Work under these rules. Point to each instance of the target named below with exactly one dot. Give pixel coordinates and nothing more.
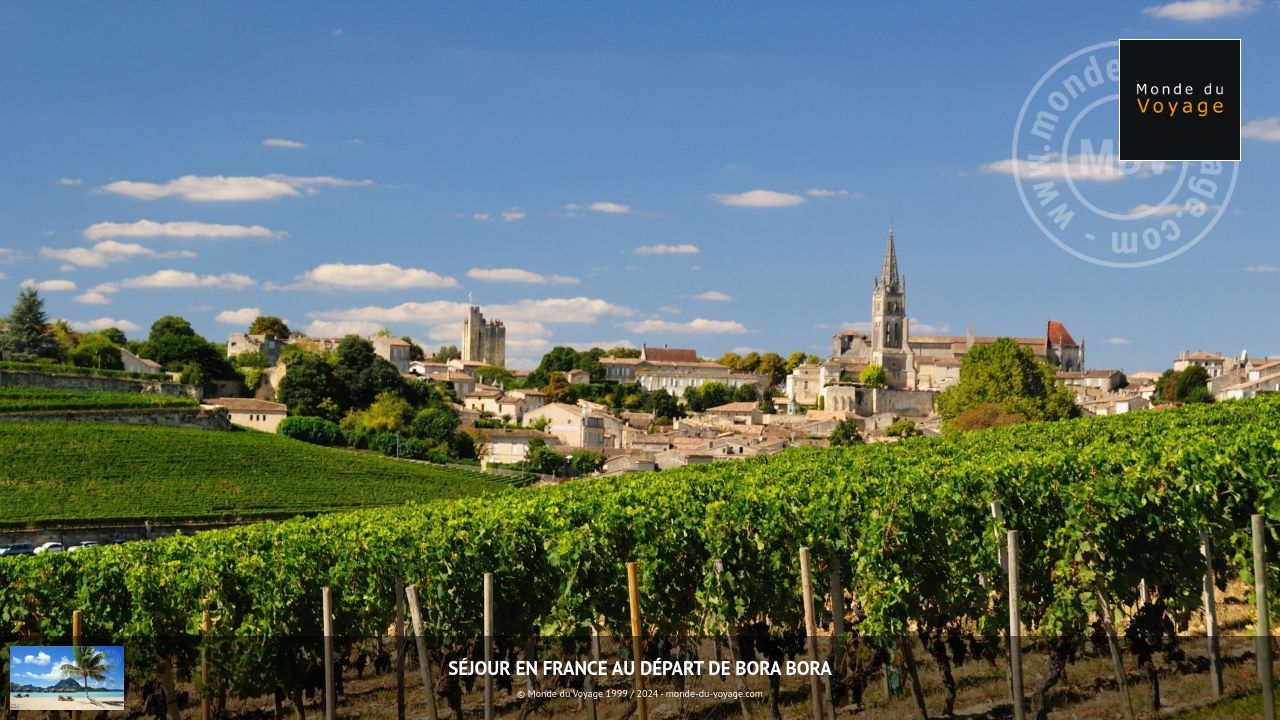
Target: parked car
(17, 549)
(51, 547)
(82, 545)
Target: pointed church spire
(889, 278)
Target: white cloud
(758, 199)
(697, 326)
(516, 275)
(49, 285)
(713, 296)
(354, 141)
(670, 310)
(610, 207)
(481, 216)
(54, 674)
(575, 310)
(180, 279)
(2, 276)
(150, 228)
(341, 328)
(384, 276)
(603, 344)
(1080, 168)
(825, 193)
(42, 659)
(283, 143)
(69, 182)
(107, 252)
(92, 297)
(103, 323)
(9, 255)
(1267, 129)
(243, 316)
(219, 188)
(1262, 269)
(512, 214)
(667, 250)
(1116, 341)
(1197, 10)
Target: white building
(257, 414)
(133, 363)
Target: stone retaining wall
(90, 383)
(204, 417)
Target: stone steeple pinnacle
(889, 278)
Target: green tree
(27, 335)
(1010, 377)
(542, 459)
(95, 350)
(493, 375)
(559, 359)
(363, 373)
(434, 423)
(175, 345)
(745, 393)
(388, 413)
(1192, 386)
(269, 325)
(774, 366)
(873, 376)
(315, 430)
(709, 395)
(311, 388)
(795, 360)
(985, 415)
(445, 354)
(663, 405)
(558, 390)
(115, 335)
(251, 359)
(586, 462)
(902, 427)
(89, 665)
(416, 353)
(845, 433)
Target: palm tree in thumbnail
(89, 665)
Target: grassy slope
(67, 473)
(24, 399)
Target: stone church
(913, 362)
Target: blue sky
(41, 665)
(583, 170)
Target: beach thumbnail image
(65, 677)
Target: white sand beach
(50, 701)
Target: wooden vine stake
(738, 683)
(1264, 618)
(77, 637)
(1211, 616)
(488, 645)
(206, 628)
(1015, 627)
(424, 663)
(637, 641)
(400, 648)
(811, 632)
(330, 700)
(836, 595)
(1121, 682)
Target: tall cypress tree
(26, 336)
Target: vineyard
(26, 399)
(1102, 506)
(82, 473)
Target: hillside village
(608, 411)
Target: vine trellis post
(1263, 630)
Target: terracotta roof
(663, 354)
(734, 407)
(506, 433)
(1201, 355)
(247, 404)
(389, 340)
(1058, 334)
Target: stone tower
(483, 340)
(889, 347)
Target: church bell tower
(889, 348)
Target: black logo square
(1179, 100)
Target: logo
(1067, 168)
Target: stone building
(257, 414)
(911, 362)
(483, 340)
